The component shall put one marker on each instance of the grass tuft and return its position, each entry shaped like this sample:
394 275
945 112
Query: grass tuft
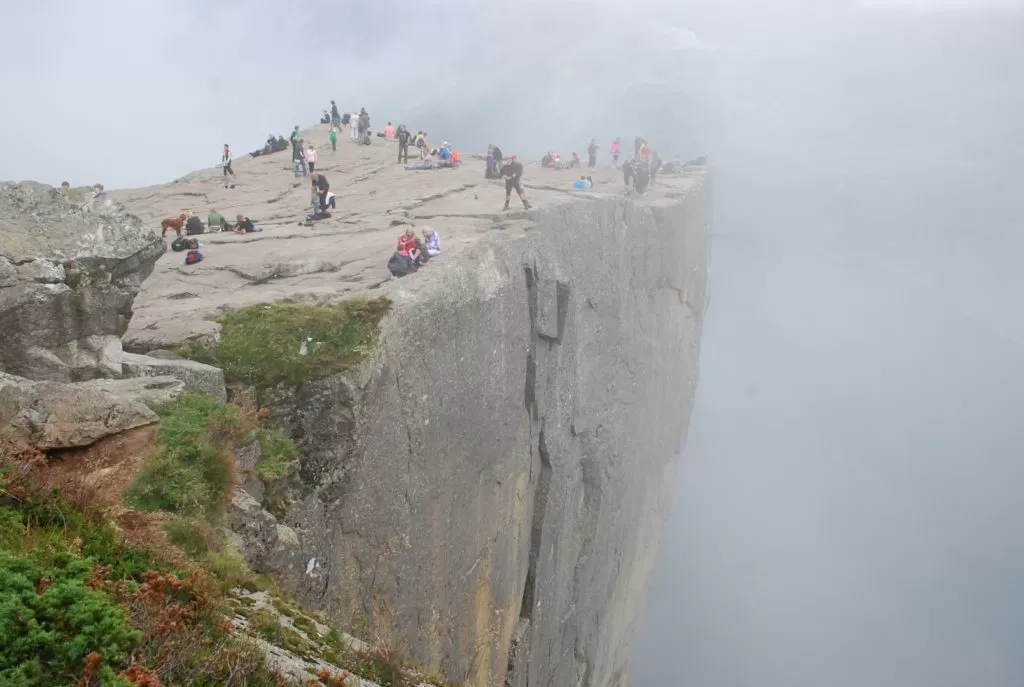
262 344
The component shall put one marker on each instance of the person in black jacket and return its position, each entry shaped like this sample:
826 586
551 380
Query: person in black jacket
513 173
322 187
194 225
403 137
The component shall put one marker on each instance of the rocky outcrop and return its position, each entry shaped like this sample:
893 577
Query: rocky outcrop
490 491
70 268
486 493
54 415
195 376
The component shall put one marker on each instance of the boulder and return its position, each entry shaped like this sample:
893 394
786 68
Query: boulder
70 268
52 415
195 376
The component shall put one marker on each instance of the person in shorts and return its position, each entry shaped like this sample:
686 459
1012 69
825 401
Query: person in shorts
512 171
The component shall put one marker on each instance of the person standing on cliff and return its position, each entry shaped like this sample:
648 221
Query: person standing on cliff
335 115
512 171
333 138
225 160
311 157
403 143
592 153
616 149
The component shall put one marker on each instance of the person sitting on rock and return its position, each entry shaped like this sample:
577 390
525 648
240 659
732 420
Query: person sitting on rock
407 240
215 219
246 225
194 225
401 264
431 242
580 184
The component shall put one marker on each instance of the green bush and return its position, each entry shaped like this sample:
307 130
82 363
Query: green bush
50 621
190 472
261 344
277 453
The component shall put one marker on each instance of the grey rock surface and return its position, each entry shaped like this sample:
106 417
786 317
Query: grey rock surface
492 485
70 268
51 415
195 376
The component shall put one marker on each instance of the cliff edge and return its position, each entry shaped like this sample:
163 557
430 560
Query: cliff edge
486 489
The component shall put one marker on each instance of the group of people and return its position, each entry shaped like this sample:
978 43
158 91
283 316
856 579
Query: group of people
190 224
414 252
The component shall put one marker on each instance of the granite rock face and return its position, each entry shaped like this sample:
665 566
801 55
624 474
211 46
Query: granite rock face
492 489
487 492
70 268
54 415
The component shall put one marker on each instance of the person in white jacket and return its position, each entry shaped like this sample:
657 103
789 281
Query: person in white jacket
431 242
311 158
353 126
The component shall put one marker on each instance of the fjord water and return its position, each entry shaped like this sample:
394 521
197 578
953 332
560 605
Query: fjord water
848 509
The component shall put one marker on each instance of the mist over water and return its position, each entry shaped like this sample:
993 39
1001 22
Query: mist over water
848 509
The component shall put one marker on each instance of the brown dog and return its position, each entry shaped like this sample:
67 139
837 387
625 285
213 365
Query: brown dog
175 223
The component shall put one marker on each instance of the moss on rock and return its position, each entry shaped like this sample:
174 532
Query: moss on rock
283 343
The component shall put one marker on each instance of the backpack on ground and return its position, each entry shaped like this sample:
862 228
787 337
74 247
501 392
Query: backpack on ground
192 244
192 257
179 244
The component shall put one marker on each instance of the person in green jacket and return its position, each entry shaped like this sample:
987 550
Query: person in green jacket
217 220
333 136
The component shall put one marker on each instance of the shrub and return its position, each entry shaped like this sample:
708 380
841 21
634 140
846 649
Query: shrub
50 623
261 345
190 472
277 453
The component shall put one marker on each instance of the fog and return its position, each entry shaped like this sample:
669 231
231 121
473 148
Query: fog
848 507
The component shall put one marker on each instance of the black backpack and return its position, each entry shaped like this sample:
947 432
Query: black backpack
179 244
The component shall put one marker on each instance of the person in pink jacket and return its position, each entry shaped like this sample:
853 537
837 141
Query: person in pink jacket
616 149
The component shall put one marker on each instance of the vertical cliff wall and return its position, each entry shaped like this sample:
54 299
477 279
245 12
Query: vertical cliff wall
488 492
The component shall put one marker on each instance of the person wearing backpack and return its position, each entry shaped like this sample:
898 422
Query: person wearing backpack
333 138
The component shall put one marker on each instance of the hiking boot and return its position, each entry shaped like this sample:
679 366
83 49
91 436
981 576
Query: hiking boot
506 206
526 204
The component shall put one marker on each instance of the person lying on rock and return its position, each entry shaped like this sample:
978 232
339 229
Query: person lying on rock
512 171
246 225
431 242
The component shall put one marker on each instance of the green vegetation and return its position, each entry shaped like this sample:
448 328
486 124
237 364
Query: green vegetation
79 605
261 345
277 453
191 472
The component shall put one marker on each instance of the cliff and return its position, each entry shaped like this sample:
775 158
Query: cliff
486 489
